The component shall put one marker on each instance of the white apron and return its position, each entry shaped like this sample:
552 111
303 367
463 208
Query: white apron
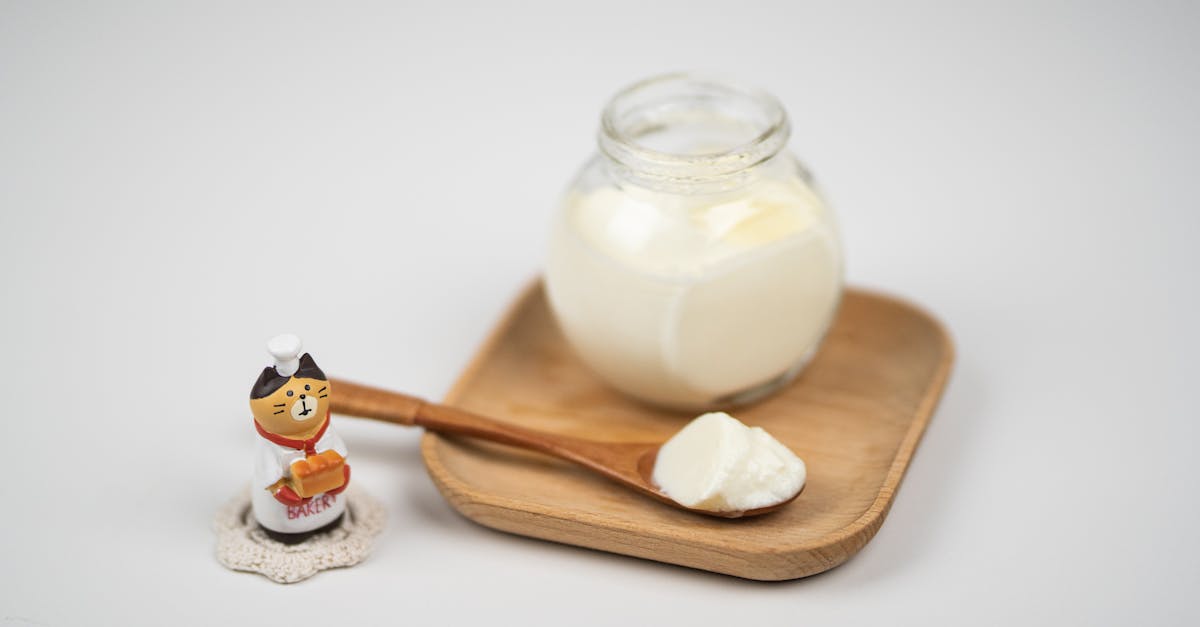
272 462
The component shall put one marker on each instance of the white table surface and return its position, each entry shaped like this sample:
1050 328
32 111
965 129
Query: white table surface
178 183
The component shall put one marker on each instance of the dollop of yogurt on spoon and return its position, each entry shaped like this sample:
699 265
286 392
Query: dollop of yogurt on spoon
719 464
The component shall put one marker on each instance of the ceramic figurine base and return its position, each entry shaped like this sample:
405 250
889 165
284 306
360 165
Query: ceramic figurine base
243 545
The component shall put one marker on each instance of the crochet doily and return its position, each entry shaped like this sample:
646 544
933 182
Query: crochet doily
242 544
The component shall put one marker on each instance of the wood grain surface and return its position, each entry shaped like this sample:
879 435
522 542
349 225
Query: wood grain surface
855 416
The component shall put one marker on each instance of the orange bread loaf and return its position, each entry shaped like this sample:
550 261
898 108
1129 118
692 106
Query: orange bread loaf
318 473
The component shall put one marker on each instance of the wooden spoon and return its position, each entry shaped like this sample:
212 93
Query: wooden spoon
630 464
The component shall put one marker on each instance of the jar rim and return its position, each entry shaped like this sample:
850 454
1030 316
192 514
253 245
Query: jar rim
623 147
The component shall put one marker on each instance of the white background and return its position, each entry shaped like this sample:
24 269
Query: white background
180 182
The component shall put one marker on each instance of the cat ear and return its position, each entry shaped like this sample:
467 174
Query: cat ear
309 369
269 381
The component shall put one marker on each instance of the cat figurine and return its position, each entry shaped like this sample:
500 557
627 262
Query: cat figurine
300 468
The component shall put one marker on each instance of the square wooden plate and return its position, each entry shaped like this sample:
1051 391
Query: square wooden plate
855 416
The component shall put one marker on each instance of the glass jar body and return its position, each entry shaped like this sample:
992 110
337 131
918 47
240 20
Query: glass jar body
695 300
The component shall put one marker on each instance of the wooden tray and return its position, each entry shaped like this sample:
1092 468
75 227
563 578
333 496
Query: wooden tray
855 417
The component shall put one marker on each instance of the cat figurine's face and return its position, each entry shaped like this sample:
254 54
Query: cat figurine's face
292 406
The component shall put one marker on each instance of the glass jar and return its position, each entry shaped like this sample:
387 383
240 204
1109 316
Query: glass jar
692 264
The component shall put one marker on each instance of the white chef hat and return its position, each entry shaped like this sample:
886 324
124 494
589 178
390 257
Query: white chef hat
285 349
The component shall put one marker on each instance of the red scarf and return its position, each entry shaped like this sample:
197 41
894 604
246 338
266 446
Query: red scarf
309 446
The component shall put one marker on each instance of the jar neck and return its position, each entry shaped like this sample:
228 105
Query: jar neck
686 134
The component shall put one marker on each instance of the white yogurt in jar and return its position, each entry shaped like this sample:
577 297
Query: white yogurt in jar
688 300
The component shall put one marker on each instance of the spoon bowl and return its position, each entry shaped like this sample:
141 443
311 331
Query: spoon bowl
645 466
629 464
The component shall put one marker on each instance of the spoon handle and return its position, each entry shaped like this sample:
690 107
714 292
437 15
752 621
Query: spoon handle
354 399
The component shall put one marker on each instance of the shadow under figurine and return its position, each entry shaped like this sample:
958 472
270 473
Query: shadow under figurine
300 468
